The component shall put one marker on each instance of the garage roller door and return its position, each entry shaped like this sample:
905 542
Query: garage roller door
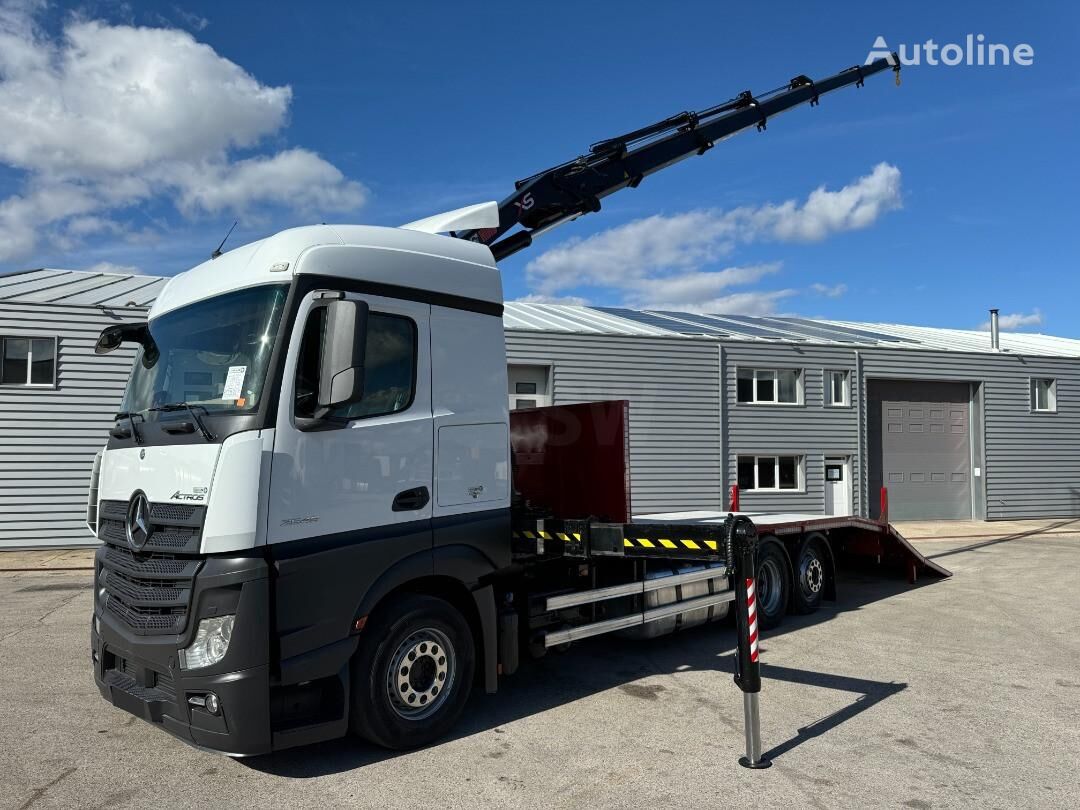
920 448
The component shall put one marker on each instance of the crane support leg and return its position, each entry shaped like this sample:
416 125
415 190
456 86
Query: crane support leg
747 668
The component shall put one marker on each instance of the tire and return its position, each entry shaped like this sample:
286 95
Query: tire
811 568
413 673
773 584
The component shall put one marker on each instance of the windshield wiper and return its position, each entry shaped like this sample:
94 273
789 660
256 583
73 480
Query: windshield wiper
181 406
130 416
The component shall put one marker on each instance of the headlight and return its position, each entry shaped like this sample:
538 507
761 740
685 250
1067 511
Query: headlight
210 644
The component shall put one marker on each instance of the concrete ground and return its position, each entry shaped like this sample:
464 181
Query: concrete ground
957 693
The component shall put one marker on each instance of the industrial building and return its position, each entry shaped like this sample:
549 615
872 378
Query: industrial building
57 398
803 415
817 416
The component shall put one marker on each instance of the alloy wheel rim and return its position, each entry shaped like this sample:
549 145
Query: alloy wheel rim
421 674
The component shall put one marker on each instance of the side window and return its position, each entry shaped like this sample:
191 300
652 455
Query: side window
1044 395
389 367
306 390
27 361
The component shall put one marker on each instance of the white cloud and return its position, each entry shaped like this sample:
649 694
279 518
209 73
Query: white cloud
1015 320
835 291
659 261
572 300
825 212
695 290
102 117
295 177
743 303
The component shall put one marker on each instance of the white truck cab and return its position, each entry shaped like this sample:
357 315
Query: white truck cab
312 420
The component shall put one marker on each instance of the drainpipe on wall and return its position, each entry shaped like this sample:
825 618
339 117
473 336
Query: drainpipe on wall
995 332
860 462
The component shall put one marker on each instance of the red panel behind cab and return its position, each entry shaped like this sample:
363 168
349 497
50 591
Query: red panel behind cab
574 459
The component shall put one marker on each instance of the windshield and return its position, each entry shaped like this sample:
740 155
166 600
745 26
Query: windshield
212 354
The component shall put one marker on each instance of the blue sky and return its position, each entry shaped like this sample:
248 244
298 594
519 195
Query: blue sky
281 115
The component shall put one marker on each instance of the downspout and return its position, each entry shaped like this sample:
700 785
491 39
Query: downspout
864 510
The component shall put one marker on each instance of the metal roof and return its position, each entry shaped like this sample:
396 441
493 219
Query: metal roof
88 288
80 288
773 329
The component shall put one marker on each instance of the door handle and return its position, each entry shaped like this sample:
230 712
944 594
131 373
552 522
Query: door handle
411 500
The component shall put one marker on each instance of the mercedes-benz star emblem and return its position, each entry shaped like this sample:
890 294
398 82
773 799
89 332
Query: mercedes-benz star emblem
139 528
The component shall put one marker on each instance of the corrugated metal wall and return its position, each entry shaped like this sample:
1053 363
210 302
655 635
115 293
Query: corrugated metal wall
679 431
673 385
48 436
1032 460
810 430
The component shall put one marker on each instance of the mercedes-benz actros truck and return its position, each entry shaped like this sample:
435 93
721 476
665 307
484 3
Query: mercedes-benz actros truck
308 509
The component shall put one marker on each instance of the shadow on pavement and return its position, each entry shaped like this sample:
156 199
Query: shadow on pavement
870 693
604 663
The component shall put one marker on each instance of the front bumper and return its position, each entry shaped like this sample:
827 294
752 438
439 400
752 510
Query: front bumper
141 673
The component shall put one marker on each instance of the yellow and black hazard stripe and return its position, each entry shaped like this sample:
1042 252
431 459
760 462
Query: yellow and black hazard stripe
661 544
566 537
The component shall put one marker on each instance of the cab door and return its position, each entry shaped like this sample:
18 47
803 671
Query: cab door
367 474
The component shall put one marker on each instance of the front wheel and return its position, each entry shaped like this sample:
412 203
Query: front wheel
413 673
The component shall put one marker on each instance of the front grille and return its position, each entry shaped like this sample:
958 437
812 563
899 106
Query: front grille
176 527
173 512
141 592
149 621
167 538
150 593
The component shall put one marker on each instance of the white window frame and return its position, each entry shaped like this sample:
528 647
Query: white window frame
845 375
30 360
800 471
1033 394
766 373
541 399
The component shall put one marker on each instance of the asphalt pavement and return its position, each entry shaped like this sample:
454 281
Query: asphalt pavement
955 693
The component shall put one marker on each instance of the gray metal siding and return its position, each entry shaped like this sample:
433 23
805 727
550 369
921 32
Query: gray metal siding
48 436
811 430
1032 460
673 386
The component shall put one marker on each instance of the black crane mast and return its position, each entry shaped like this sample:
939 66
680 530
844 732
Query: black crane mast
567 191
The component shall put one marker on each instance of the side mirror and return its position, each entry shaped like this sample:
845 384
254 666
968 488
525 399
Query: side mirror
112 336
341 360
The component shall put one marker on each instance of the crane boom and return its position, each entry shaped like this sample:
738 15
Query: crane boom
567 191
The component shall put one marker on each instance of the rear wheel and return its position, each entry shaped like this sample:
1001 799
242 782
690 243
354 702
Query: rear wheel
772 585
811 565
413 674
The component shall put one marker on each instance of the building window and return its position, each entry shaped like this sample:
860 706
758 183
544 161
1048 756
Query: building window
28 361
764 386
530 386
1044 395
836 388
770 473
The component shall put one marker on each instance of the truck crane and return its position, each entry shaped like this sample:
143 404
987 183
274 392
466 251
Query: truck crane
565 192
318 515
